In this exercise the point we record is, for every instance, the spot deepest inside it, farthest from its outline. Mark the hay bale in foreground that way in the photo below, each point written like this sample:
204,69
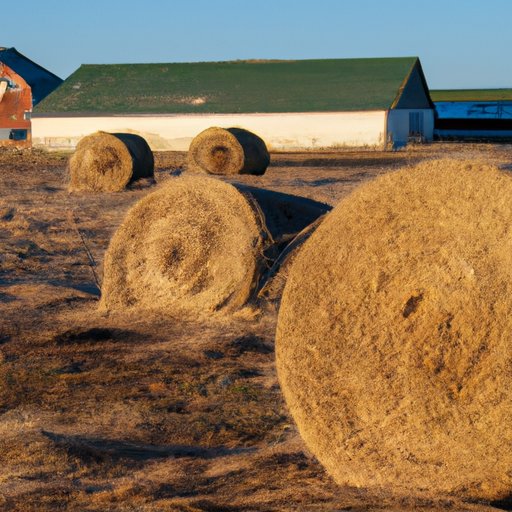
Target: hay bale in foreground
199,245
394,337
228,151
108,162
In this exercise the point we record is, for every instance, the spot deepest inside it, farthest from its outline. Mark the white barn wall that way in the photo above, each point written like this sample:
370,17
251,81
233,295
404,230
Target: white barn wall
175,132
398,124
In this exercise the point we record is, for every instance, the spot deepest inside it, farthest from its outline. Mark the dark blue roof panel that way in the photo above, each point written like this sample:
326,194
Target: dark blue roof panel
41,81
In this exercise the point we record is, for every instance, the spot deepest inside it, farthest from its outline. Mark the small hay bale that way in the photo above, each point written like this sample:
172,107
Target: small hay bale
108,162
228,151
199,245
394,334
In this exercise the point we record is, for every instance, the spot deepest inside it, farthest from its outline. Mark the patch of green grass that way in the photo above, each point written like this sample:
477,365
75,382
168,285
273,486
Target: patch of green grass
471,95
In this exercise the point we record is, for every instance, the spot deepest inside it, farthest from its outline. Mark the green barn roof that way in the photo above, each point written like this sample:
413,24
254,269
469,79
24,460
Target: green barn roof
328,85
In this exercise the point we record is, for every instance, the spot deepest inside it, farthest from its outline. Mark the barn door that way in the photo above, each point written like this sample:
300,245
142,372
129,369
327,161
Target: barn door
415,125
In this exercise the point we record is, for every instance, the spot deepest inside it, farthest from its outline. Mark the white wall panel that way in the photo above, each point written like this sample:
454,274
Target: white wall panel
174,132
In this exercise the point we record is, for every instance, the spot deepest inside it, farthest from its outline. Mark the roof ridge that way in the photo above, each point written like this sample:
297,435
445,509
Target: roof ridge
250,61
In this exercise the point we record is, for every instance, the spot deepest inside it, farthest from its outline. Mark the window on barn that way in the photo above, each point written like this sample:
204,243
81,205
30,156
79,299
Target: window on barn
8,84
3,87
18,135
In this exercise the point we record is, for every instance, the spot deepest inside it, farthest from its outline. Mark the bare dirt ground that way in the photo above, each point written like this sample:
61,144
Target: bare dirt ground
152,412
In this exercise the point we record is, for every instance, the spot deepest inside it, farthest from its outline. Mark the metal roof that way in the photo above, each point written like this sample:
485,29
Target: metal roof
474,109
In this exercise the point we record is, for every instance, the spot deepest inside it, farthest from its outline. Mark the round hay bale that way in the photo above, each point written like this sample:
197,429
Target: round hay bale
198,245
394,334
228,151
108,162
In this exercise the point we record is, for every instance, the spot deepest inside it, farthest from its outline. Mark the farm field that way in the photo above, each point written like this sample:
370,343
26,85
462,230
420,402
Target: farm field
471,95
153,412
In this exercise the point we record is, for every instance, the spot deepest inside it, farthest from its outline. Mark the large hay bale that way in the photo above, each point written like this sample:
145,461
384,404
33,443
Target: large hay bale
228,151
394,337
199,245
108,162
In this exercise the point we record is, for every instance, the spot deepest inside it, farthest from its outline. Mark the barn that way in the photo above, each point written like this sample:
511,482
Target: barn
23,84
299,104
473,115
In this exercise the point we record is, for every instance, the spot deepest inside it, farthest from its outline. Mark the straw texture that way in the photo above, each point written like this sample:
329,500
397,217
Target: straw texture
394,337
228,151
108,162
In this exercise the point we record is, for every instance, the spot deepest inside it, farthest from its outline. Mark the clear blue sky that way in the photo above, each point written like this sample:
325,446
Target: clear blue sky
461,43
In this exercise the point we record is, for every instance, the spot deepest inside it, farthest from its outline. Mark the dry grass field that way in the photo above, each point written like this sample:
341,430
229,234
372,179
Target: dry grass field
141,412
